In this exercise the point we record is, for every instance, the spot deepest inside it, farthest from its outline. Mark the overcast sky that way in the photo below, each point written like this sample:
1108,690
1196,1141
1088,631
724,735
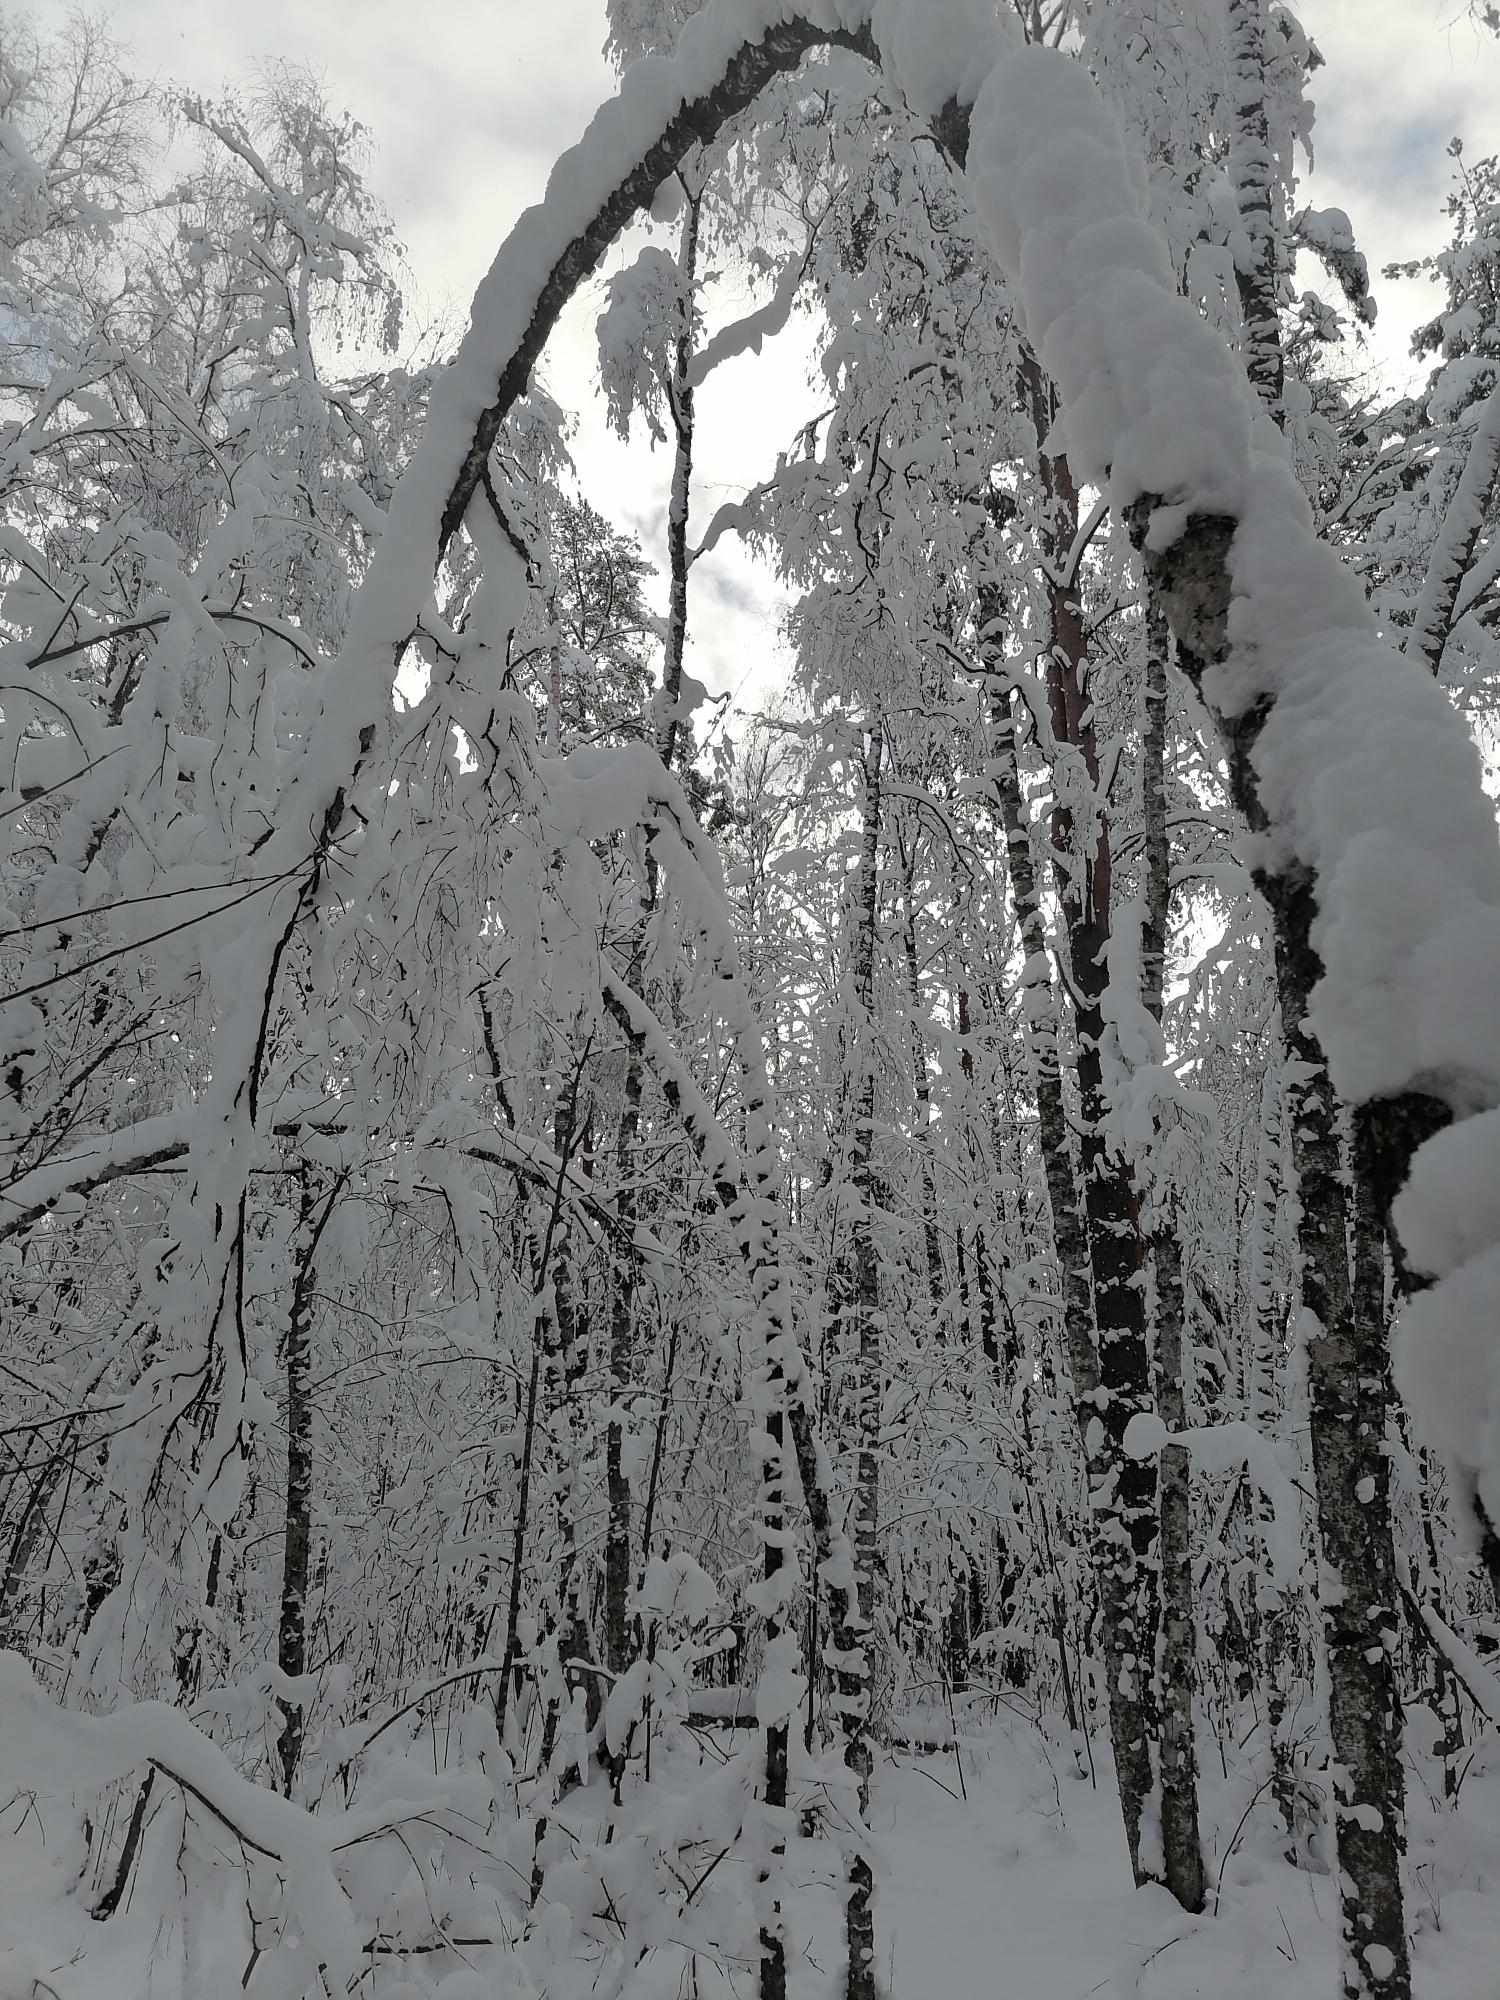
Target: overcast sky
470,102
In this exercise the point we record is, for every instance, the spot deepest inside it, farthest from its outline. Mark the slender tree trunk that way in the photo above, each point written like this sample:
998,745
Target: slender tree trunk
989,1283
921,1088
1040,1013
778,1734
680,400
565,1365
627,1277
291,1645
543,1337
1104,1457
869,1358
1347,1359
1276,1631
1081,872
1257,270
1182,1848
622,1367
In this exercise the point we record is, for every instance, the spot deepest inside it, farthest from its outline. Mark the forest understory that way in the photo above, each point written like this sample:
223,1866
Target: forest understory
1001,1871
849,1350
1011,1881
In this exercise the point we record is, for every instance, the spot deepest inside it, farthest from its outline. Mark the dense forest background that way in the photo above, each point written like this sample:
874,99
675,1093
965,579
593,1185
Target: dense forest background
589,1281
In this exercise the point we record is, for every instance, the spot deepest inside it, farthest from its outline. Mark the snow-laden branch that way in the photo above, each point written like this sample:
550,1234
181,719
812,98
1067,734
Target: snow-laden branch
745,336
1359,764
155,1145
1223,1448
1479,1681
1458,536
49,1751
1357,760
735,517
135,1149
724,59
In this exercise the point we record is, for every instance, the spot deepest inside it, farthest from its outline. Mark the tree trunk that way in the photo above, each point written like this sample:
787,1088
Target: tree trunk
291,1645
1081,873
680,402
859,1924
543,1338
1102,1445
1256,273
565,1364
989,1282
622,1366
627,1277
1347,1360
921,1088
778,1734
1276,1632
1182,1849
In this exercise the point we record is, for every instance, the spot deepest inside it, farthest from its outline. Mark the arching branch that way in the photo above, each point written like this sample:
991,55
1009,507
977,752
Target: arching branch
699,122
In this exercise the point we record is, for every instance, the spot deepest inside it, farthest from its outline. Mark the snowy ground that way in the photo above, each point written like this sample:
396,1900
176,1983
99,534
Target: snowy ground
1017,1891
1021,1892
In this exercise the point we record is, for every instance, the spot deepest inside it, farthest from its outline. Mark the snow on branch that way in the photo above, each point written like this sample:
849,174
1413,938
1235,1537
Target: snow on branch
1224,1447
50,1751
746,335
134,1149
726,57
1453,552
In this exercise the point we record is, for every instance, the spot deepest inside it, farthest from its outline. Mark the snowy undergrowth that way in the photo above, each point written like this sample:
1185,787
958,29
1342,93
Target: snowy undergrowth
1007,1878
1021,1888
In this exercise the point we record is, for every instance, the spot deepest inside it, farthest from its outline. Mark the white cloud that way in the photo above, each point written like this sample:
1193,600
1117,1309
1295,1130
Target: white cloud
1403,77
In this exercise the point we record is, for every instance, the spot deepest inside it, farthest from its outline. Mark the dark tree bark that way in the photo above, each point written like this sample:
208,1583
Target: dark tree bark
565,1364
1275,1628
1348,1363
989,1283
543,1338
921,1087
1104,1457
1251,166
1082,877
622,1366
1182,1848
859,1916
291,1644
680,407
